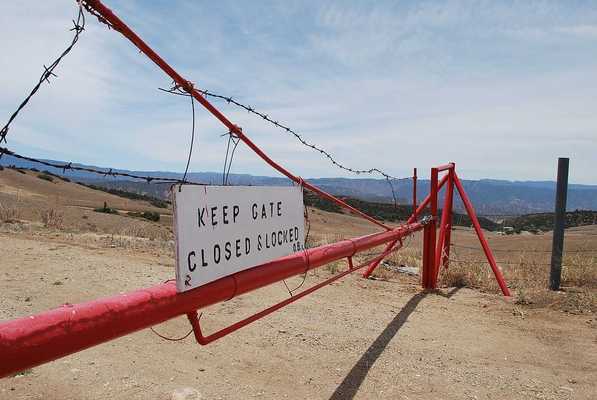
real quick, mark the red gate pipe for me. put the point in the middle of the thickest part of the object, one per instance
(473, 216)
(378, 260)
(121, 27)
(30, 341)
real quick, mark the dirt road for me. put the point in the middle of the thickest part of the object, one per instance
(361, 339)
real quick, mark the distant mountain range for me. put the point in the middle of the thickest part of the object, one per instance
(489, 196)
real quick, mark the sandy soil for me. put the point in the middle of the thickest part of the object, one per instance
(357, 339)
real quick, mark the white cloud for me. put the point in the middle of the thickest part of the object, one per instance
(501, 89)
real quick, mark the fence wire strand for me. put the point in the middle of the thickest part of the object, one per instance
(177, 90)
(78, 27)
(105, 172)
(184, 177)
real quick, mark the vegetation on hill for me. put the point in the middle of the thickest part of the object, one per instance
(105, 209)
(148, 215)
(389, 212)
(544, 221)
(154, 201)
(536, 222)
(46, 177)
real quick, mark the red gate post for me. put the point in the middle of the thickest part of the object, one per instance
(427, 276)
(471, 213)
(428, 254)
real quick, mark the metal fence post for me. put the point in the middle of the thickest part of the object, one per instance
(557, 247)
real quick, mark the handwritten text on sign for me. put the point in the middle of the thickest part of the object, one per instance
(221, 230)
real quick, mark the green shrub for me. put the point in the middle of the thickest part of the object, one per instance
(154, 201)
(105, 209)
(159, 203)
(149, 215)
(45, 177)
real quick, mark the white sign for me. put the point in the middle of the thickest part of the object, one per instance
(221, 230)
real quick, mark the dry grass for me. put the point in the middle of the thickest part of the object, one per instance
(526, 274)
(147, 231)
(52, 218)
(10, 214)
(528, 280)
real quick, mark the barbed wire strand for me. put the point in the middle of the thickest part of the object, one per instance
(78, 27)
(389, 178)
(109, 172)
(303, 141)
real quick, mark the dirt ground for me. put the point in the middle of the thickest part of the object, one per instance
(357, 339)
(361, 339)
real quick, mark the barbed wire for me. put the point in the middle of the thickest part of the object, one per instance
(298, 136)
(79, 26)
(177, 90)
(104, 172)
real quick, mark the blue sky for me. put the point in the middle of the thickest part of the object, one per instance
(502, 88)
